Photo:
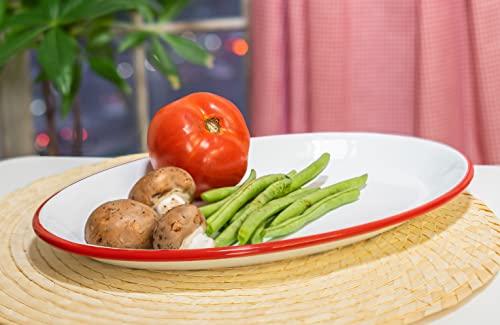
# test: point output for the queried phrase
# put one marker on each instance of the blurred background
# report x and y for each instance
(109, 117)
(424, 68)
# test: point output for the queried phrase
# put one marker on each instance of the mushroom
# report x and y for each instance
(164, 188)
(121, 224)
(183, 227)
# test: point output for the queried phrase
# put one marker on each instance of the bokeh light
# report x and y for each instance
(37, 107)
(85, 134)
(212, 42)
(125, 70)
(239, 47)
(42, 140)
(65, 133)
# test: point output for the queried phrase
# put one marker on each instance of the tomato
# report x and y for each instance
(204, 134)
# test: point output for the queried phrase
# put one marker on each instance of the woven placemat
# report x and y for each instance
(424, 266)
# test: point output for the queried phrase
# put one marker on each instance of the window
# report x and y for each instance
(109, 118)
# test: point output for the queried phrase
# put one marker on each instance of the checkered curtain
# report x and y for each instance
(426, 68)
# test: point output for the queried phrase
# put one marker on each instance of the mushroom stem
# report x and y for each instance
(197, 239)
(170, 201)
(182, 227)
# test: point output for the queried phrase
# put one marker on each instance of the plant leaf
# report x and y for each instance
(90, 9)
(57, 56)
(106, 69)
(3, 10)
(29, 3)
(189, 50)
(46, 12)
(132, 40)
(16, 43)
(63, 83)
(71, 6)
(50, 8)
(162, 61)
(75, 81)
(99, 39)
(34, 17)
(172, 8)
(154, 5)
(105, 50)
(56, 53)
(147, 14)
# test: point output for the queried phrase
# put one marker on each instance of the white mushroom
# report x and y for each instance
(183, 227)
(164, 189)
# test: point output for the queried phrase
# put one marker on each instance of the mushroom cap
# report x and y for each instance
(157, 183)
(121, 224)
(177, 224)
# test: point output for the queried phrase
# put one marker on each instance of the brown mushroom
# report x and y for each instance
(121, 224)
(183, 227)
(164, 188)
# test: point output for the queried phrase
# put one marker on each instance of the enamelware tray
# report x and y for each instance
(407, 177)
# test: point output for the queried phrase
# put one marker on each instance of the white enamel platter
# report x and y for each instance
(406, 178)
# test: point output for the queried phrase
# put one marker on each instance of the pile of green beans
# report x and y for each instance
(275, 205)
(220, 196)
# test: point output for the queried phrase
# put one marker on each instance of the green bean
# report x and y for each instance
(310, 172)
(209, 209)
(241, 196)
(301, 205)
(244, 210)
(228, 236)
(313, 213)
(240, 212)
(268, 194)
(258, 235)
(218, 194)
(297, 180)
(274, 190)
(250, 224)
(302, 177)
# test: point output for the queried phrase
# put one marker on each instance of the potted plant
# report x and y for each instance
(66, 34)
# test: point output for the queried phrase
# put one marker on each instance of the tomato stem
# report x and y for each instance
(212, 125)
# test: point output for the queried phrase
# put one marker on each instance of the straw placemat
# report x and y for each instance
(424, 266)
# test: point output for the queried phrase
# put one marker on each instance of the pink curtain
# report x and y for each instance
(426, 68)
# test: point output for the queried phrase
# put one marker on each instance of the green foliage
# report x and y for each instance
(162, 61)
(189, 50)
(3, 10)
(77, 10)
(57, 53)
(132, 40)
(67, 34)
(18, 42)
(171, 8)
(106, 68)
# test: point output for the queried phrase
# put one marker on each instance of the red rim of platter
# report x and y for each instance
(144, 255)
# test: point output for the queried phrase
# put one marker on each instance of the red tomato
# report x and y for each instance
(204, 134)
